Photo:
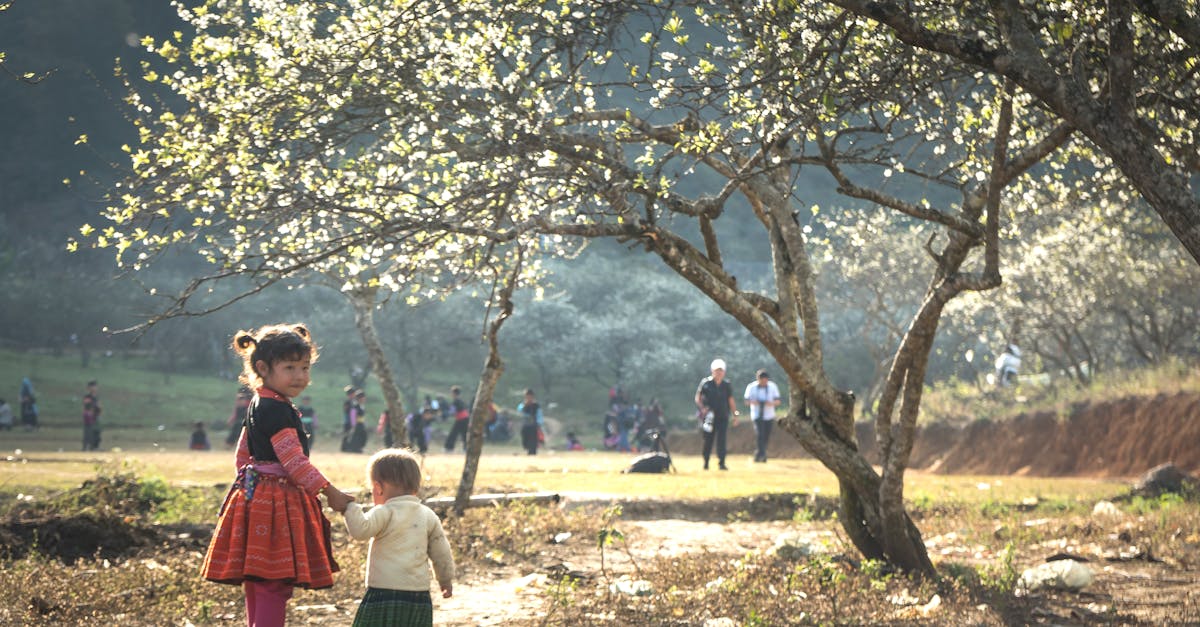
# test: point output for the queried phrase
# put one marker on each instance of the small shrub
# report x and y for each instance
(995, 509)
(121, 493)
(1058, 506)
(878, 572)
(1002, 577)
(561, 594)
(1165, 502)
(921, 502)
(754, 620)
(803, 515)
(188, 505)
(960, 574)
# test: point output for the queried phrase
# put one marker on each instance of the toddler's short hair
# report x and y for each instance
(397, 467)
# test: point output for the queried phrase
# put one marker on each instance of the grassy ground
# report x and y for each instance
(152, 512)
(581, 472)
(153, 503)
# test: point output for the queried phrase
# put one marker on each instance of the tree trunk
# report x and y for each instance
(546, 377)
(363, 300)
(861, 511)
(822, 418)
(493, 367)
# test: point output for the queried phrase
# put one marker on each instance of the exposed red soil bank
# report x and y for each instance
(1121, 438)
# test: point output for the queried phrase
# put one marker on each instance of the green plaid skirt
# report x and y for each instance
(394, 608)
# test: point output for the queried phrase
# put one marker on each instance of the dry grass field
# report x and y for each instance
(118, 537)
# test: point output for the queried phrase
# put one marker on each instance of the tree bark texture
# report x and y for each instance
(363, 301)
(493, 367)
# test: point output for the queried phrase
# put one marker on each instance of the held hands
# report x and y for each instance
(337, 499)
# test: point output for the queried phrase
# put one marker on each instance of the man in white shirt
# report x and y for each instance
(762, 396)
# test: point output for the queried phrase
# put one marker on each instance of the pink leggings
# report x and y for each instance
(266, 603)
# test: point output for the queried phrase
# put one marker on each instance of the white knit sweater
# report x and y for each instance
(405, 536)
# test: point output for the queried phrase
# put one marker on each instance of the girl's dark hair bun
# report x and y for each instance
(245, 341)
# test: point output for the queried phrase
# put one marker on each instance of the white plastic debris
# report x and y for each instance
(912, 608)
(904, 597)
(632, 587)
(929, 608)
(322, 608)
(1059, 574)
(794, 546)
(529, 582)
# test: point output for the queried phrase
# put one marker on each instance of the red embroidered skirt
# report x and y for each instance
(280, 534)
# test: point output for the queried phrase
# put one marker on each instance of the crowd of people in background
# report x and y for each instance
(439, 417)
(630, 425)
(420, 424)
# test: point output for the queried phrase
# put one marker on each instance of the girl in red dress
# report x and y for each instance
(271, 535)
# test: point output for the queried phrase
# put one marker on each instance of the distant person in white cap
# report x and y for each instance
(762, 396)
(714, 399)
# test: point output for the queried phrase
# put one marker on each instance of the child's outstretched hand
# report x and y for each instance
(337, 499)
(447, 591)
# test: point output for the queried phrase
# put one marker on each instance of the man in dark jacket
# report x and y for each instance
(714, 399)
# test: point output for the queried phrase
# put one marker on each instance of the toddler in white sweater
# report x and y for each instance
(405, 537)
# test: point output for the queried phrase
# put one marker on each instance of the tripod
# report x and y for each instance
(660, 446)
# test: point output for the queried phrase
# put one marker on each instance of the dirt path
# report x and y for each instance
(1134, 591)
(504, 595)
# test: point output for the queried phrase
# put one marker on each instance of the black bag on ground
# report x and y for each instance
(651, 463)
